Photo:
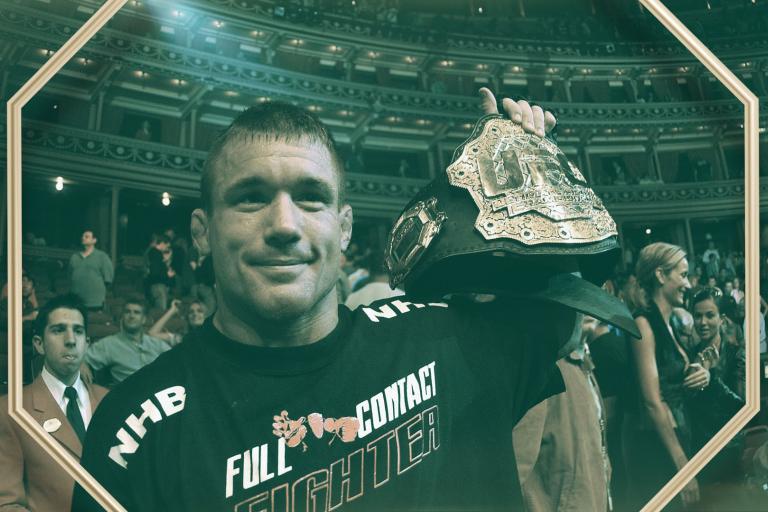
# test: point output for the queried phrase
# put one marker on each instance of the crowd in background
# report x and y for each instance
(156, 305)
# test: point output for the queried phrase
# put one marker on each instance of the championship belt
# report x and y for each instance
(511, 214)
(526, 190)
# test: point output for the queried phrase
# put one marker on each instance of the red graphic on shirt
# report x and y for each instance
(294, 431)
(316, 424)
(344, 428)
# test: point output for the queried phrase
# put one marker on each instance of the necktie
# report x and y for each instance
(73, 413)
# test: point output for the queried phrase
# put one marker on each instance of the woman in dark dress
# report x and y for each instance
(721, 350)
(656, 434)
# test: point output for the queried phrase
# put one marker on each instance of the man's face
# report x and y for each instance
(275, 229)
(87, 239)
(133, 318)
(63, 344)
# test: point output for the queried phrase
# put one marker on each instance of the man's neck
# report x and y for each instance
(304, 330)
(87, 249)
(67, 380)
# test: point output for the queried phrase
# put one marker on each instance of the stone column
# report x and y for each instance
(689, 239)
(99, 111)
(113, 212)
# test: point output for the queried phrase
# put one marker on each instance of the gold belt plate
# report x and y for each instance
(527, 190)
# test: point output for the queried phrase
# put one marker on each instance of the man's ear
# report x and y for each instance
(199, 229)
(345, 220)
(37, 341)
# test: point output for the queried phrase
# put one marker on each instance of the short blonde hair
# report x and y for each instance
(656, 255)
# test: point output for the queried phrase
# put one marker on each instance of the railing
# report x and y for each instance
(57, 254)
(257, 80)
(534, 41)
(52, 150)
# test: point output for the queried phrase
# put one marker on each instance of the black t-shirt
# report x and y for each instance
(403, 406)
(158, 270)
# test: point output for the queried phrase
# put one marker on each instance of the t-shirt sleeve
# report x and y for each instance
(511, 347)
(120, 449)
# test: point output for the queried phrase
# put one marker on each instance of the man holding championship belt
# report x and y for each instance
(286, 401)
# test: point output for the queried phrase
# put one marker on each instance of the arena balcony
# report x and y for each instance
(89, 156)
(173, 80)
(131, 115)
(519, 66)
(122, 185)
(566, 28)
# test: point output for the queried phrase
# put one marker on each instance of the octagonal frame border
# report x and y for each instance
(110, 8)
(752, 277)
(15, 103)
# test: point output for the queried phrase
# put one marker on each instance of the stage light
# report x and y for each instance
(59, 183)
(166, 200)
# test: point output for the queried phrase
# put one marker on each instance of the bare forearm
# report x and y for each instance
(660, 415)
(159, 326)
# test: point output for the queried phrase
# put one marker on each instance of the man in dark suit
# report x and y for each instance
(60, 401)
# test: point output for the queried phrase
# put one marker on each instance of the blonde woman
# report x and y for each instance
(656, 428)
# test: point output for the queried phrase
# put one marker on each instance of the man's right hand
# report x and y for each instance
(533, 119)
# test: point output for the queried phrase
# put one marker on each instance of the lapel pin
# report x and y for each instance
(51, 425)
